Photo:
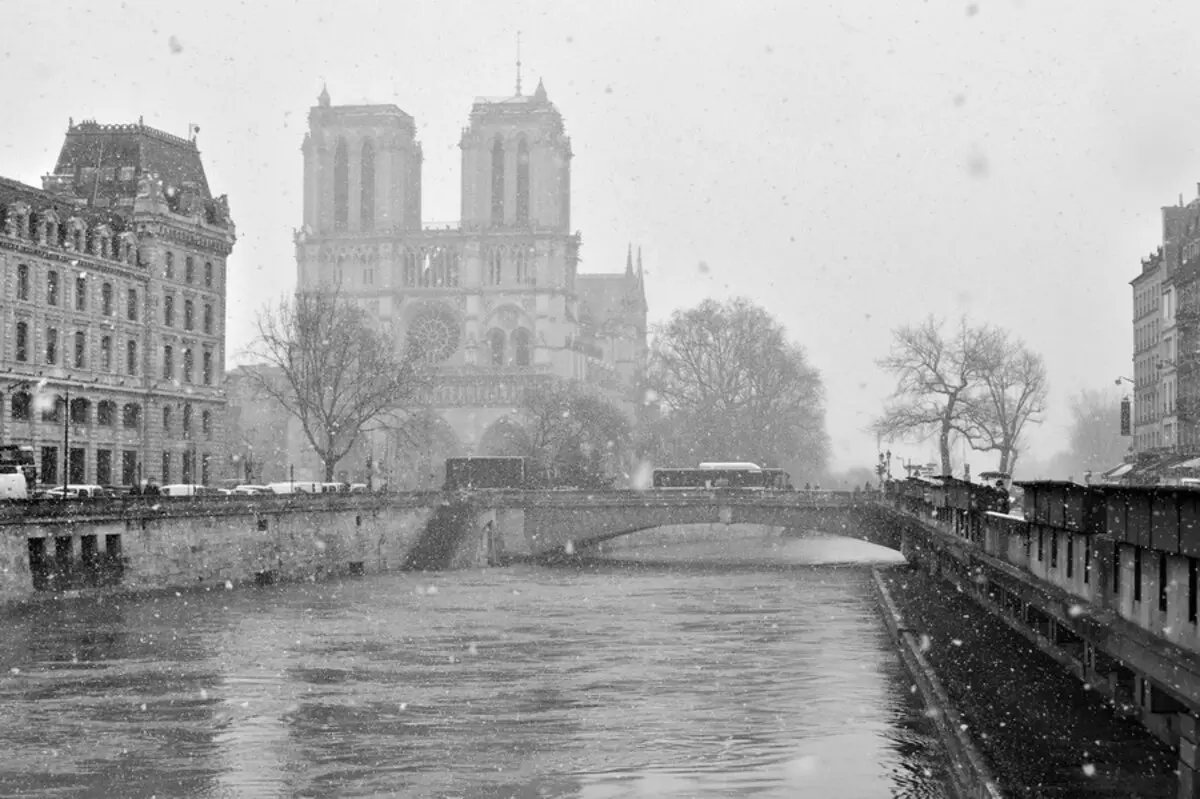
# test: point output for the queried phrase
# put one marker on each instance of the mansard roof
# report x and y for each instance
(95, 159)
(40, 201)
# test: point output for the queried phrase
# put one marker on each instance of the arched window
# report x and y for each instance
(189, 269)
(495, 266)
(521, 265)
(166, 414)
(81, 293)
(106, 299)
(189, 314)
(80, 410)
(367, 186)
(169, 270)
(341, 185)
(54, 413)
(168, 363)
(106, 413)
(208, 274)
(206, 424)
(22, 281)
(522, 347)
(207, 367)
(52, 287)
(410, 268)
(106, 353)
(187, 364)
(131, 357)
(496, 342)
(131, 415)
(22, 406)
(169, 310)
(208, 318)
(187, 419)
(453, 266)
(522, 183)
(22, 348)
(498, 182)
(52, 345)
(80, 348)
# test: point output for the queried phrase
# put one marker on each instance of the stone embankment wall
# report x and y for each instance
(182, 543)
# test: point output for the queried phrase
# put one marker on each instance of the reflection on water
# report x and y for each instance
(606, 679)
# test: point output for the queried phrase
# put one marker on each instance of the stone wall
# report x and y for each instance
(194, 544)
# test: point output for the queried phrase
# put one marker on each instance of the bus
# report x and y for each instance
(18, 459)
(710, 475)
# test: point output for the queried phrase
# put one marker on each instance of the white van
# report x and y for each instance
(297, 487)
(13, 487)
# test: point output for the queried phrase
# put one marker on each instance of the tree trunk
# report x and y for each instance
(944, 447)
(329, 466)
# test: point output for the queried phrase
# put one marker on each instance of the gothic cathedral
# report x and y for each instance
(494, 301)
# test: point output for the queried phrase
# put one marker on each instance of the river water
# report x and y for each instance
(764, 671)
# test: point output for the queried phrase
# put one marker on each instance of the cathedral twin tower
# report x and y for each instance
(362, 167)
(493, 301)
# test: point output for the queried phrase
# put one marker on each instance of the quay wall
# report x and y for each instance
(1104, 581)
(71, 547)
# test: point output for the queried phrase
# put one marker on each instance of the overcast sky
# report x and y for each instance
(850, 166)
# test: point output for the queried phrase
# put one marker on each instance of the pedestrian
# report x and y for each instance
(151, 487)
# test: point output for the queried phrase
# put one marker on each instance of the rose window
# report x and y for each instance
(434, 332)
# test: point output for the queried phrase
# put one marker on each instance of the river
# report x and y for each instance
(763, 672)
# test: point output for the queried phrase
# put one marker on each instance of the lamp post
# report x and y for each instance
(66, 439)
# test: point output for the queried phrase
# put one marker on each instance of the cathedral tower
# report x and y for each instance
(362, 170)
(516, 164)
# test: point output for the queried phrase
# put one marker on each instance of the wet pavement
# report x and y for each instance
(1041, 731)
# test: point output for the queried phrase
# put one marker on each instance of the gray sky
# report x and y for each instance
(850, 166)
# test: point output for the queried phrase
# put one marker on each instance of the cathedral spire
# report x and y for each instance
(518, 63)
(629, 261)
(639, 271)
(323, 97)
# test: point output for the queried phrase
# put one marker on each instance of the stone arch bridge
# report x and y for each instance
(539, 523)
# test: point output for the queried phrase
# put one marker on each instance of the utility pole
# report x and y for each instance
(66, 441)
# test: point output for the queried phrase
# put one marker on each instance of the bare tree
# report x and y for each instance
(573, 436)
(732, 387)
(328, 365)
(1011, 393)
(936, 374)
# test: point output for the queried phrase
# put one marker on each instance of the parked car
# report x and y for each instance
(77, 491)
(187, 490)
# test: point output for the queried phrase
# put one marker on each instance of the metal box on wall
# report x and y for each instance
(1164, 521)
(1116, 512)
(1137, 518)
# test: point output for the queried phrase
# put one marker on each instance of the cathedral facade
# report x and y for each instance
(494, 301)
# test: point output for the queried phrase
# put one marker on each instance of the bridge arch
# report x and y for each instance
(551, 521)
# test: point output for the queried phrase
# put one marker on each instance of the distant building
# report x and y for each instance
(493, 300)
(113, 287)
(1148, 298)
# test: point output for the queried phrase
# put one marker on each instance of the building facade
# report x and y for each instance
(494, 300)
(1147, 322)
(113, 312)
